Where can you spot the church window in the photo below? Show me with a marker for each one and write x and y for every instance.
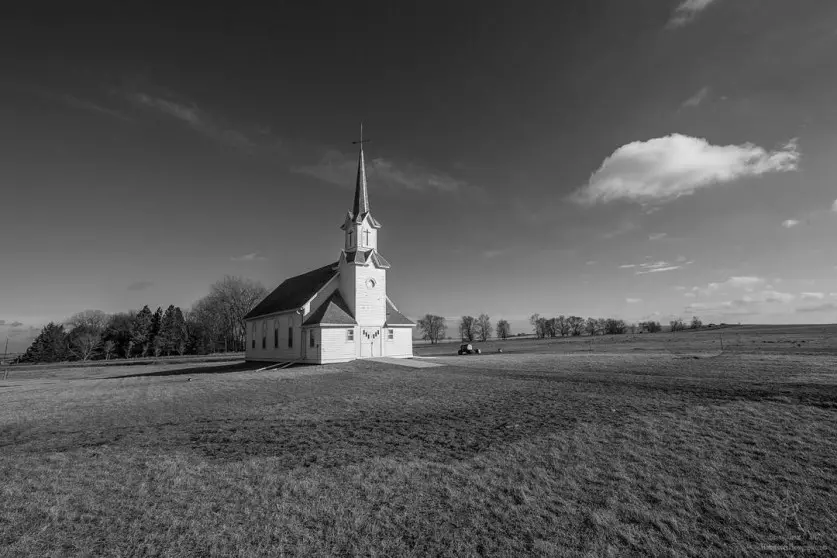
(264, 334)
(349, 236)
(311, 338)
(253, 335)
(290, 337)
(276, 334)
(390, 334)
(366, 238)
(350, 335)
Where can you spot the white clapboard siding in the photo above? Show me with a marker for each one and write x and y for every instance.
(334, 344)
(402, 343)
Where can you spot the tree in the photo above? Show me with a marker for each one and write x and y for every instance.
(483, 327)
(537, 325)
(549, 327)
(141, 330)
(108, 348)
(503, 329)
(50, 345)
(467, 328)
(591, 326)
(563, 325)
(576, 325)
(433, 328)
(94, 320)
(84, 342)
(696, 323)
(601, 325)
(156, 324)
(651, 326)
(676, 325)
(233, 298)
(118, 332)
(614, 326)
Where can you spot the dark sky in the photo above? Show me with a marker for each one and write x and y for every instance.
(642, 159)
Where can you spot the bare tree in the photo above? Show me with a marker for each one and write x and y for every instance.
(562, 325)
(483, 327)
(537, 325)
(591, 326)
(467, 328)
(433, 328)
(84, 342)
(677, 325)
(576, 325)
(696, 323)
(503, 329)
(94, 320)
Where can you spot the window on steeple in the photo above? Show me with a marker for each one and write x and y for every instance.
(366, 238)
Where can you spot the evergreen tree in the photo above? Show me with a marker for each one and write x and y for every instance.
(141, 330)
(167, 335)
(156, 323)
(51, 345)
(181, 335)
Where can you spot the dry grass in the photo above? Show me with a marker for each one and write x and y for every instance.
(541, 454)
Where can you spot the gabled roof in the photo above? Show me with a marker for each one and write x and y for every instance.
(394, 317)
(294, 292)
(334, 311)
(363, 256)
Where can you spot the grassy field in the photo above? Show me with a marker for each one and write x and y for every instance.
(551, 448)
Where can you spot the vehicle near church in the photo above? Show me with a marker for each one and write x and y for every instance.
(468, 349)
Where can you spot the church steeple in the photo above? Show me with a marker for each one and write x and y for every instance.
(361, 205)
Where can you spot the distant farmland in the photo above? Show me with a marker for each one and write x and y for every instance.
(632, 445)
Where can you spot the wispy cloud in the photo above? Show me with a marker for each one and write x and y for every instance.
(825, 307)
(492, 253)
(336, 167)
(697, 98)
(633, 300)
(73, 101)
(834, 206)
(812, 296)
(627, 266)
(196, 118)
(658, 267)
(591, 262)
(686, 11)
(663, 169)
(656, 236)
(252, 257)
(140, 285)
(790, 223)
(4, 323)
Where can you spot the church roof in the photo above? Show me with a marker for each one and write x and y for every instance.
(361, 204)
(363, 256)
(334, 311)
(294, 292)
(394, 317)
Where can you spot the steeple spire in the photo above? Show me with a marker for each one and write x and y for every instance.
(361, 204)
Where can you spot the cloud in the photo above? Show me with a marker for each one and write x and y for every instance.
(140, 285)
(657, 267)
(627, 266)
(492, 253)
(656, 236)
(790, 223)
(689, 295)
(4, 323)
(199, 120)
(686, 11)
(826, 307)
(252, 257)
(812, 296)
(697, 98)
(776, 296)
(663, 169)
(834, 206)
(335, 167)
(633, 300)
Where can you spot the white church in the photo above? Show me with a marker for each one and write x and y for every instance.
(338, 312)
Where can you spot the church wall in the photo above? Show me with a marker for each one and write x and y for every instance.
(335, 347)
(370, 304)
(402, 343)
(271, 353)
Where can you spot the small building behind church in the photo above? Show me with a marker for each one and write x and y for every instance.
(338, 312)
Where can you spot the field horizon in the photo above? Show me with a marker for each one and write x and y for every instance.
(662, 444)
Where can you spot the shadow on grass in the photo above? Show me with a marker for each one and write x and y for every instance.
(191, 370)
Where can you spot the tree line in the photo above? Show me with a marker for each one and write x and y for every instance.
(215, 323)
(433, 328)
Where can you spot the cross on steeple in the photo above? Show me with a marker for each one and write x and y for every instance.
(361, 141)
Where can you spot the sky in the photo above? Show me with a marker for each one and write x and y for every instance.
(643, 160)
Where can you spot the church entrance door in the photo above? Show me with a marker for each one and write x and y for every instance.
(370, 342)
